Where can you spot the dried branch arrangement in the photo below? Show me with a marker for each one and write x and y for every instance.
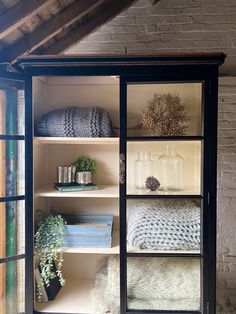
(165, 115)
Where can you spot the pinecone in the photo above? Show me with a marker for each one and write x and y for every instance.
(152, 183)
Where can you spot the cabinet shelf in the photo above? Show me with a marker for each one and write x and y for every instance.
(77, 140)
(164, 138)
(104, 191)
(189, 192)
(74, 297)
(115, 249)
(131, 250)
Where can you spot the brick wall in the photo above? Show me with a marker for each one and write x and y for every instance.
(190, 25)
(226, 241)
(170, 25)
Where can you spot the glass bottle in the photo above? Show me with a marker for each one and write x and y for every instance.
(144, 167)
(170, 167)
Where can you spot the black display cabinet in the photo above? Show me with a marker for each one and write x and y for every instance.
(156, 175)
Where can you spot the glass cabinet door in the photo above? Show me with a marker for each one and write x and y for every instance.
(163, 284)
(164, 138)
(12, 195)
(164, 109)
(163, 141)
(164, 167)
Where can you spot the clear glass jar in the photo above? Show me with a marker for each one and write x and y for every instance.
(170, 170)
(144, 167)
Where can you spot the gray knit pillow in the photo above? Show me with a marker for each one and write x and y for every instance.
(76, 122)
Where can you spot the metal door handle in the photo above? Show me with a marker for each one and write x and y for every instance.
(122, 168)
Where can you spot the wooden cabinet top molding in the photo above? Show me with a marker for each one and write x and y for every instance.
(216, 58)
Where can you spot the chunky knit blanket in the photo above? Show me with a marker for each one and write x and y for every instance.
(75, 122)
(165, 225)
(152, 284)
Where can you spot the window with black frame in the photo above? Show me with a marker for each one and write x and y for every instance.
(12, 195)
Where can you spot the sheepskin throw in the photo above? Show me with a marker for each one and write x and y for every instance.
(165, 225)
(75, 122)
(152, 283)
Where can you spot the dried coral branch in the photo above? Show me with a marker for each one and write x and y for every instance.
(165, 115)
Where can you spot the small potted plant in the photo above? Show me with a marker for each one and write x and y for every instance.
(48, 250)
(85, 166)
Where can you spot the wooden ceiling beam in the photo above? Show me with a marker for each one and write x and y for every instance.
(155, 1)
(46, 31)
(100, 17)
(19, 13)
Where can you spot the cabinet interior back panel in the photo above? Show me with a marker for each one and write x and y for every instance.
(39, 97)
(40, 154)
(84, 91)
(87, 206)
(189, 150)
(48, 157)
(50, 93)
(190, 94)
(82, 265)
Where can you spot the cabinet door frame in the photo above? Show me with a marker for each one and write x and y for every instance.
(29, 306)
(208, 76)
(16, 77)
(29, 75)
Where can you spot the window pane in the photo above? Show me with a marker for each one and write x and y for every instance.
(12, 107)
(164, 109)
(12, 168)
(159, 283)
(164, 225)
(175, 166)
(12, 232)
(12, 287)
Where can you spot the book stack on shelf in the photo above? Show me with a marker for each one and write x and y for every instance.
(74, 187)
(88, 231)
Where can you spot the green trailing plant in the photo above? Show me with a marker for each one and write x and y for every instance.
(85, 163)
(48, 249)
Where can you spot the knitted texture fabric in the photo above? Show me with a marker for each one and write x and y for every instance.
(75, 122)
(152, 284)
(165, 224)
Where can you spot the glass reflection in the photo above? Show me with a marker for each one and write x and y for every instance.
(169, 284)
(164, 109)
(12, 231)
(12, 287)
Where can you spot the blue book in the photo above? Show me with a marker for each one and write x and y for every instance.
(74, 187)
(87, 241)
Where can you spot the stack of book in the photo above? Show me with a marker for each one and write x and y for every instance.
(74, 187)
